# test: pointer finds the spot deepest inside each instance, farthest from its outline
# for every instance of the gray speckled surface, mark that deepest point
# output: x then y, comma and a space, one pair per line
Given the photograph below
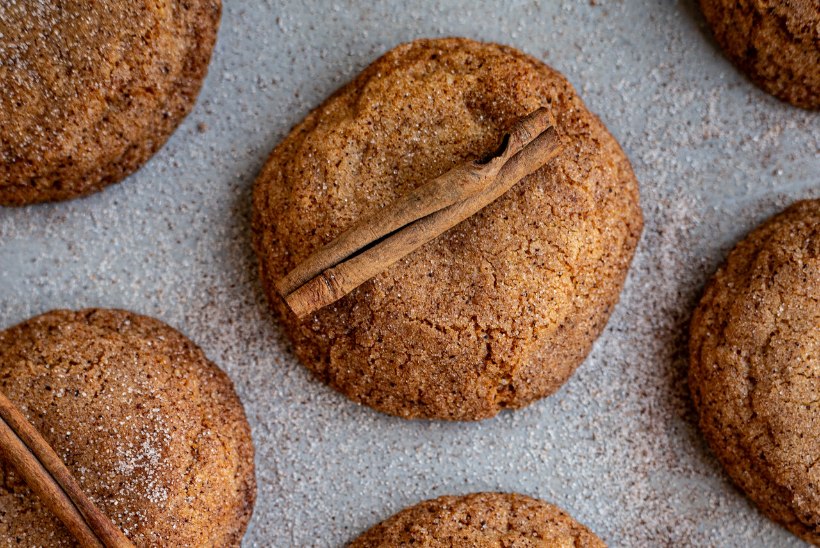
617, 446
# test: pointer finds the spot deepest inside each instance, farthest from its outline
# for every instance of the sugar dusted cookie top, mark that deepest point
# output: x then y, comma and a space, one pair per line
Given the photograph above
92, 89
498, 311
482, 520
775, 42
755, 367
151, 429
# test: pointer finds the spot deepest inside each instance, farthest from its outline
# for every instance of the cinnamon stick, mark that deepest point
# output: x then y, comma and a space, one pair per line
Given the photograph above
378, 241
29, 453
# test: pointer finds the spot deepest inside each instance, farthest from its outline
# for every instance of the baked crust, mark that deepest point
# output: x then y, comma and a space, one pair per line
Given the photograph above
775, 42
498, 311
755, 367
92, 90
151, 429
481, 520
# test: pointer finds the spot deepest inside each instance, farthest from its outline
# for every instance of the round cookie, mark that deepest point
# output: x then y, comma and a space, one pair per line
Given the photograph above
481, 520
92, 89
775, 42
501, 309
755, 367
151, 429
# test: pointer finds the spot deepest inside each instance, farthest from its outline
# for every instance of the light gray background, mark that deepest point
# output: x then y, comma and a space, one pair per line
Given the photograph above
617, 446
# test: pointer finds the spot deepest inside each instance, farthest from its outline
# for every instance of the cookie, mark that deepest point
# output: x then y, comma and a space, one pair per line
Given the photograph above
151, 429
481, 520
755, 367
496, 312
92, 90
775, 42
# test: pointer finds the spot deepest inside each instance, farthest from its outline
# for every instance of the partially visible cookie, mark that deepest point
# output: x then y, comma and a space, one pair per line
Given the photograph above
775, 42
151, 429
481, 520
755, 367
494, 313
90, 90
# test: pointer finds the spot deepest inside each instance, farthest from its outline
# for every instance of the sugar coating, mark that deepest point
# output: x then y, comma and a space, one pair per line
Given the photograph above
496, 312
776, 43
152, 430
480, 520
92, 90
755, 367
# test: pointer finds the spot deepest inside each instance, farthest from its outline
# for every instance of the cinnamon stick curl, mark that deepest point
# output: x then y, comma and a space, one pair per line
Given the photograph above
374, 243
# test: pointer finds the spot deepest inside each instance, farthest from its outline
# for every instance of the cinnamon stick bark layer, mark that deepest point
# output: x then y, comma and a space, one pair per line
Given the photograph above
34, 459
376, 242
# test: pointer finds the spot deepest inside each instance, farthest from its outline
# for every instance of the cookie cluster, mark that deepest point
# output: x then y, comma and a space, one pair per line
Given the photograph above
494, 313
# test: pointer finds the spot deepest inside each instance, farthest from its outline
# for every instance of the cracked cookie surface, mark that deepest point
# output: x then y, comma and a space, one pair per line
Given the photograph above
775, 42
481, 520
496, 312
755, 367
92, 90
152, 431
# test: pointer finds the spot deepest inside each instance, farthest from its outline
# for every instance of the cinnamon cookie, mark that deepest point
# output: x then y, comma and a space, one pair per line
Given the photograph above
496, 312
775, 42
481, 520
151, 429
755, 367
92, 89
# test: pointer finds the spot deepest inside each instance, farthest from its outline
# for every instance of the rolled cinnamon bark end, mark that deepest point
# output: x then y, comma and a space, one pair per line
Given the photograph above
376, 242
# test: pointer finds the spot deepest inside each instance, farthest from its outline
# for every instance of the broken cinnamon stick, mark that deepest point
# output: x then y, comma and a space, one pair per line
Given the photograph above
29, 453
378, 241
